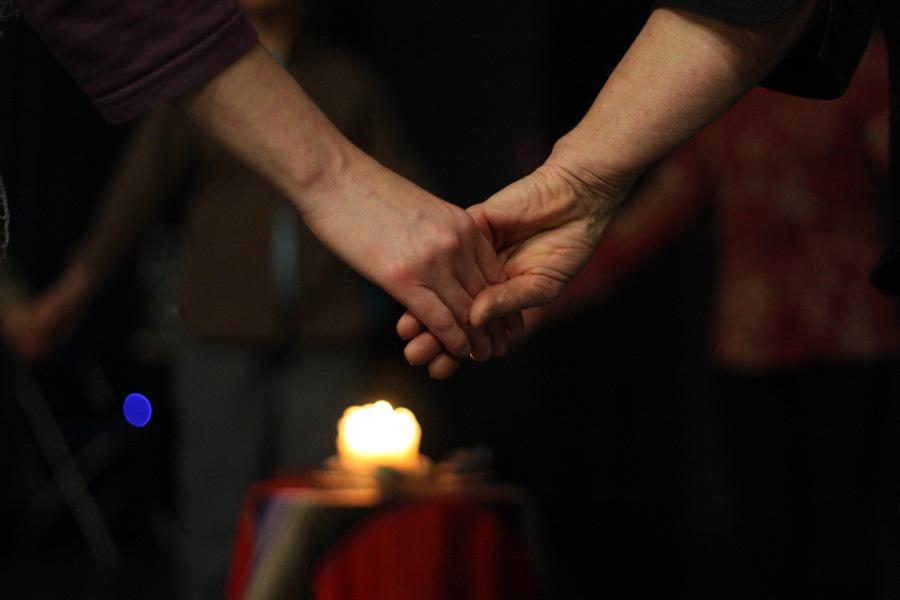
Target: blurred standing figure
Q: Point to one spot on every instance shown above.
(804, 349)
(273, 322)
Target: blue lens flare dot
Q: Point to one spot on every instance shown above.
(137, 409)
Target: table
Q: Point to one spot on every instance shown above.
(297, 541)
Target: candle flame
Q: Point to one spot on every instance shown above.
(377, 434)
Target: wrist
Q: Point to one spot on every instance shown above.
(596, 183)
(262, 115)
(313, 178)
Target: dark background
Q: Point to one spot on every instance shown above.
(600, 416)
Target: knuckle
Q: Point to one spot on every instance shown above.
(448, 241)
(458, 346)
(400, 271)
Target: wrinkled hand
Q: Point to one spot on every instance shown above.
(426, 253)
(545, 228)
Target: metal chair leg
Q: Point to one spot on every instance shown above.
(66, 472)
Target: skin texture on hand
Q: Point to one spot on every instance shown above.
(545, 227)
(682, 72)
(428, 254)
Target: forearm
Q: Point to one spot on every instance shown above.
(426, 253)
(682, 72)
(262, 115)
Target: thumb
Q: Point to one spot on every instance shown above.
(479, 216)
(505, 299)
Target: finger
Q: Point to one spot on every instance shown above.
(482, 344)
(422, 349)
(499, 336)
(408, 326)
(474, 341)
(515, 323)
(508, 298)
(477, 212)
(456, 292)
(443, 366)
(487, 270)
(498, 330)
(433, 312)
(475, 277)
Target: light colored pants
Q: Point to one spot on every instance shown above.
(241, 411)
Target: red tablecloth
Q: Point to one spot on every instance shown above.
(295, 541)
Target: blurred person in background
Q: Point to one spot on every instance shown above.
(804, 385)
(274, 324)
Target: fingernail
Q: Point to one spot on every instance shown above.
(482, 355)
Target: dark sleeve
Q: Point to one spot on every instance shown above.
(132, 55)
(822, 63)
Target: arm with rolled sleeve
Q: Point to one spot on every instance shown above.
(132, 56)
(692, 60)
(203, 56)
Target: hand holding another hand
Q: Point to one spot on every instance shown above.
(544, 228)
(426, 253)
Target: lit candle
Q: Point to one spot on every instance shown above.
(376, 435)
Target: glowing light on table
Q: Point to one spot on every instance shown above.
(376, 435)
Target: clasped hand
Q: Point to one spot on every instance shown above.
(544, 228)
